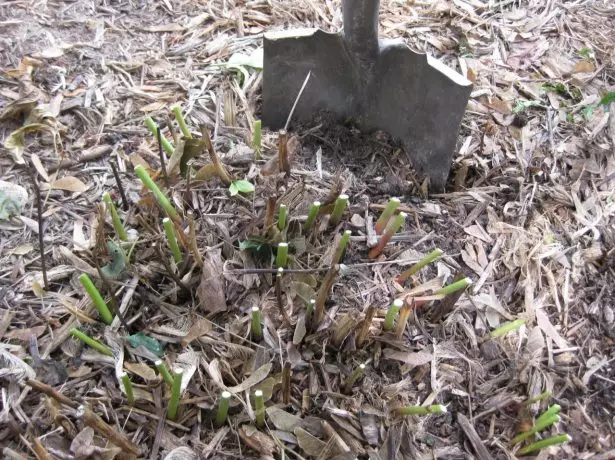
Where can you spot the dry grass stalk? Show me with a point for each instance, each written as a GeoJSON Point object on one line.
{"type": "Point", "coordinates": [286, 375]}
{"type": "Point", "coordinates": [343, 326]}
{"type": "Point", "coordinates": [194, 247]}
{"type": "Point", "coordinates": [283, 152]}
{"type": "Point", "coordinates": [52, 393]}
{"type": "Point", "coordinates": [215, 159]}
{"type": "Point", "coordinates": [106, 431]}
{"type": "Point", "coordinates": [402, 319]}
{"type": "Point", "coordinates": [366, 324]}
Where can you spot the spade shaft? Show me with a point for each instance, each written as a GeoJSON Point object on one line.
{"type": "Point", "coordinates": [380, 84]}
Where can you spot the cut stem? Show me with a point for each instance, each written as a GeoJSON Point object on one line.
{"type": "Point", "coordinates": [429, 258]}
{"type": "Point", "coordinates": [286, 376]}
{"type": "Point", "coordinates": [153, 127]}
{"type": "Point", "coordinates": [161, 198]}
{"type": "Point", "coordinates": [550, 412]}
{"type": "Point", "coordinates": [175, 394]}
{"type": "Point", "coordinates": [105, 350]}
{"type": "Point", "coordinates": [508, 327]}
{"type": "Point", "coordinates": [422, 410]}
{"type": "Point", "coordinates": [281, 258]}
{"type": "Point", "coordinates": [130, 396]}
{"type": "Point", "coordinates": [365, 326]}
{"type": "Point", "coordinates": [323, 294]}
{"type": "Point", "coordinates": [552, 441]}
{"type": "Point", "coordinates": [257, 327]}
{"type": "Point", "coordinates": [393, 227]}
{"type": "Point", "coordinates": [539, 426]}
{"type": "Point", "coordinates": [223, 405]}
{"type": "Point", "coordinates": [404, 314]}
{"type": "Point", "coordinates": [177, 111]}
{"type": "Point", "coordinates": [282, 217]}
{"type": "Point", "coordinates": [164, 372]}
{"type": "Point", "coordinates": [337, 257]}
{"type": "Point", "coordinates": [283, 152]}
{"type": "Point", "coordinates": [169, 230]}
{"type": "Point", "coordinates": [389, 320]}
{"type": "Point", "coordinates": [453, 287]}
{"type": "Point", "coordinates": [97, 299]}
{"type": "Point", "coordinates": [354, 377]}
{"type": "Point", "coordinates": [120, 231]}
{"type": "Point", "coordinates": [311, 216]}
{"type": "Point", "coordinates": [256, 140]}
{"type": "Point", "coordinates": [259, 408]}
{"type": "Point", "coordinates": [338, 209]}
{"type": "Point", "coordinates": [382, 222]}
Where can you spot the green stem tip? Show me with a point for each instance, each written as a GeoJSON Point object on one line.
{"type": "Point", "coordinates": [309, 310]}
{"type": "Point", "coordinates": [95, 344]}
{"type": "Point", "coordinates": [454, 287]}
{"type": "Point", "coordinates": [392, 314]}
{"type": "Point", "coordinates": [429, 258]}
{"type": "Point", "coordinates": [423, 410]}
{"type": "Point", "coordinates": [259, 408]}
{"type": "Point", "coordinates": [169, 230]}
{"type": "Point", "coordinates": [153, 127]}
{"type": "Point", "coordinates": [177, 111]}
{"type": "Point", "coordinates": [338, 209]}
{"type": "Point", "coordinates": [256, 139]}
{"type": "Point", "coordinates": [257, 328]}
{"type": "Point", "coordinates": [97, 299]}
{"type": "Point", "coordinates": [282, 217]}
{"type": "Point", "coordinates": [117, 223]}
{"type": "Point", "coordinates": [550, 412]}
{"type": "Point", "coordinates": [164, 372]}
{"type": "Point", "coordinates": [341, 247]}
{"type": "Point", "coordinates": [508, 327]}
{"type": "Point", "coordinates": [354, 377]}
{"type": "Point", "coordinates": [311, 216]}
{"type": "Point", "coordinates": [281, 255]}
{"type": "Point", "coordinates": [162, 199]}
{"type": "Point", "coordinates": [175, 394]}
{"type": "Point", "coordinates": [130, 396]}
{"type": "Point", "coordinates": [552, 441]}
{"type": "Point", "coordinates": [382, 222]}
{"type": "Point", "coordinates": [538, 427]}
{"type": "Point", "coordinates": [223, 405]}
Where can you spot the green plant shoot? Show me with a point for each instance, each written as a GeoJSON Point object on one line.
{"type": "Point", "coordinates": [257, 327]}
{"type": "Point", "coordinates": [389, 320]}
{"type": "Point", "coordinates": [177, 111]}
{"type": "Point", "coordinates": [454, 287]}
{"type": "Point", "coordinates": [339, 252]}
{"type": "Point", "coordinates": [311, 216]}
{"type": "Point", "coordinates": [256, 140]}
{"type": "Point", "coordinates": [161, 198]}
{"type": "Point", "coordinates": [338, 209]}
{"type": "Point", "coordinates": [384, 218]}
{"type": "Point", "coordinates": [552, 441]}
{"type": "Point", "coordinates": [169, 230]}
{"type": "Point", "coordinates": [282, 217]}
{"type": "Point", "coordinates": [97, 299]}
{"type": "Point", "coordinates": [105, 350]}
{"type": "Point", "coordinates": [130, 396]}
{"type": "Point", "coordinates": [429, 258]}
{"type": "Point", "coordinates": [223, 405]}
{"type": "Point", "coordinates": [508, 327]}
{"type": "Point", "coordinates": [153, 127]}
{"type": "Point", "coordinates": [281, 255]}
{"type": "Point", "coordinates": [164, 372]}
{"type": "Point", "coordinates": [117, 223]}
{"type": "Point", "coordinates": [259, 408]}
{"type": "Point", "coordinates": [175, 394]}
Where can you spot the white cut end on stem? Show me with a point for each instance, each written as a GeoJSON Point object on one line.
{"type": "Point", "coordinates": [348, 232]}
{"type": "Point", "coordinates": [158, 363]}
{"type": "Point", "coordinates": [442, 409]}
{"type": "Point", "coordinates": [255, 309]}
{"type": "Point", "coordinates": [468, 281]}
{"type": "Point", "coordinates": [282, 245]}
{"type": "Point", "coordinates": [123, 375]}
{"type": "Point", "coordinates": [258, 393]}
{"type": "Point", "coordinates": [398, 303]}
{"type": "Point", "coordinates": [226, 395]}
{"type": "Point", "coordinates": [165, 220]}
{"type": "Point", "coordinates": [280, 271]}
{"type": "Point", "coordinates": [343, 196]}
{"type": "Point", "coordinates": [362, 366]}
{"type": "Point", "coordinates": [316, 203]}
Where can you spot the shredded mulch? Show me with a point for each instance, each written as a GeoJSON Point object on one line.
{"type": "Point", "coordinates": [527, 215]}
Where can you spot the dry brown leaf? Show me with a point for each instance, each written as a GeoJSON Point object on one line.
{"type": "Point", "coordinates": [257, 376]}
{"type": "Point", "coordinates": [545, 324]}
{"type": "Point", "coordinates": [164, 28]}
{"type": "Point", "coordinates": [283, 420]}
{"type": "Point", "coordinates": [211, 288]}
{"type": "Point", "coordinates": [257, 440]}
{"type": "Point", "coordinates": [67, 183]}
{"type": "Point", "coordinates": [413, 359]}
{"type": "Point", "coordinates": [181, 453]}
{"type": "Point", "coordinates": [144, 371]}
{"type": "Point", "coordinates": [201, 327]}
{"type": "Point", "coordinates": [36, 161]}
{"type": "Point", "coordinates": [309, 444]}
{"type": "Point", "coordinates": [24, 334]}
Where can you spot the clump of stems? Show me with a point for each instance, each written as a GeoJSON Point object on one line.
{"type": "Point", "coordinates": [311, 216]}
{"type": "Point", "coordinates": [453, 287]}
{"type": "Point", "coordinates": [164, 372]}
{"type": "Point", "coordinates": [130, 396]}
{"type": "Point", "coordinates": [391, 229]}
{"type": "Point", "coordinates": [282, 217]}
{"type": "Point", "coordinates": [552, 441]}
{"type": "Point", "coordinates": [538, 426]}
{"type": "Point", "coordinates": [389, 320]}
{"type": "Point", "coordinates": [429, 258]}
{"type": "Point", "coordinates": [257, 328]}
{"type": "Point", "coordinates": [105, 350]}
{"type": "Point", "coordinates": [169, 230]}
{"type": "Point", "coordinates": [259, 408]}
{"type": "Point", "coordinates": [256, 140]}
{"type": "Point", "coordinates": [161, 198]}
{"type": "Point", "coordinates": [382, 222]}
{"type": "Point", "coordinates": [354, 377]}
{"type": "Point", "coordinates": [338, 209]}
{"type": "Point", "coordinates": [177, 111]}
{"type": "Point", "coordinates": [153, 127]}
{"type": "Point", "coordinates": [97, 299]}
{"type": "Point", "coordinates": [506, 328]}
{"type": "Point", "coordinates": [282, 255]}
{"type": "Point", "coordinates": [422, 410]}
{"type": "Point", "coordinates": [223, 405]}
{"type": "Point", "coordinates": [117, 223]}
{"type": "Point", "coordinates": [337, 257]}
{"type": "Point", "coordinates": [175, 394]}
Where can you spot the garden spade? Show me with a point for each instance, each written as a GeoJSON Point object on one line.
{"type": "Point", "coordinates": [379, 84]}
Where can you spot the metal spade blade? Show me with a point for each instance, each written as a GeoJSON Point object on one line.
{"type": "Point", "coordinates": [379, 84]}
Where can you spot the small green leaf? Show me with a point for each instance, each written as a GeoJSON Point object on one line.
{"type": "Point", "coordinates": [523, 105]}
{"type": "Point", "coordinates": [607, 98]}
{"type": "Point", "coordinates": [242, 186]}
{"type": "Point", "coordinates": [116, 267]}
{"type": "Point", "coordinates": [140, 339]}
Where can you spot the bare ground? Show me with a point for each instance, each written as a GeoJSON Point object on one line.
{"type": "Point", "coordinates": [527, 215]}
